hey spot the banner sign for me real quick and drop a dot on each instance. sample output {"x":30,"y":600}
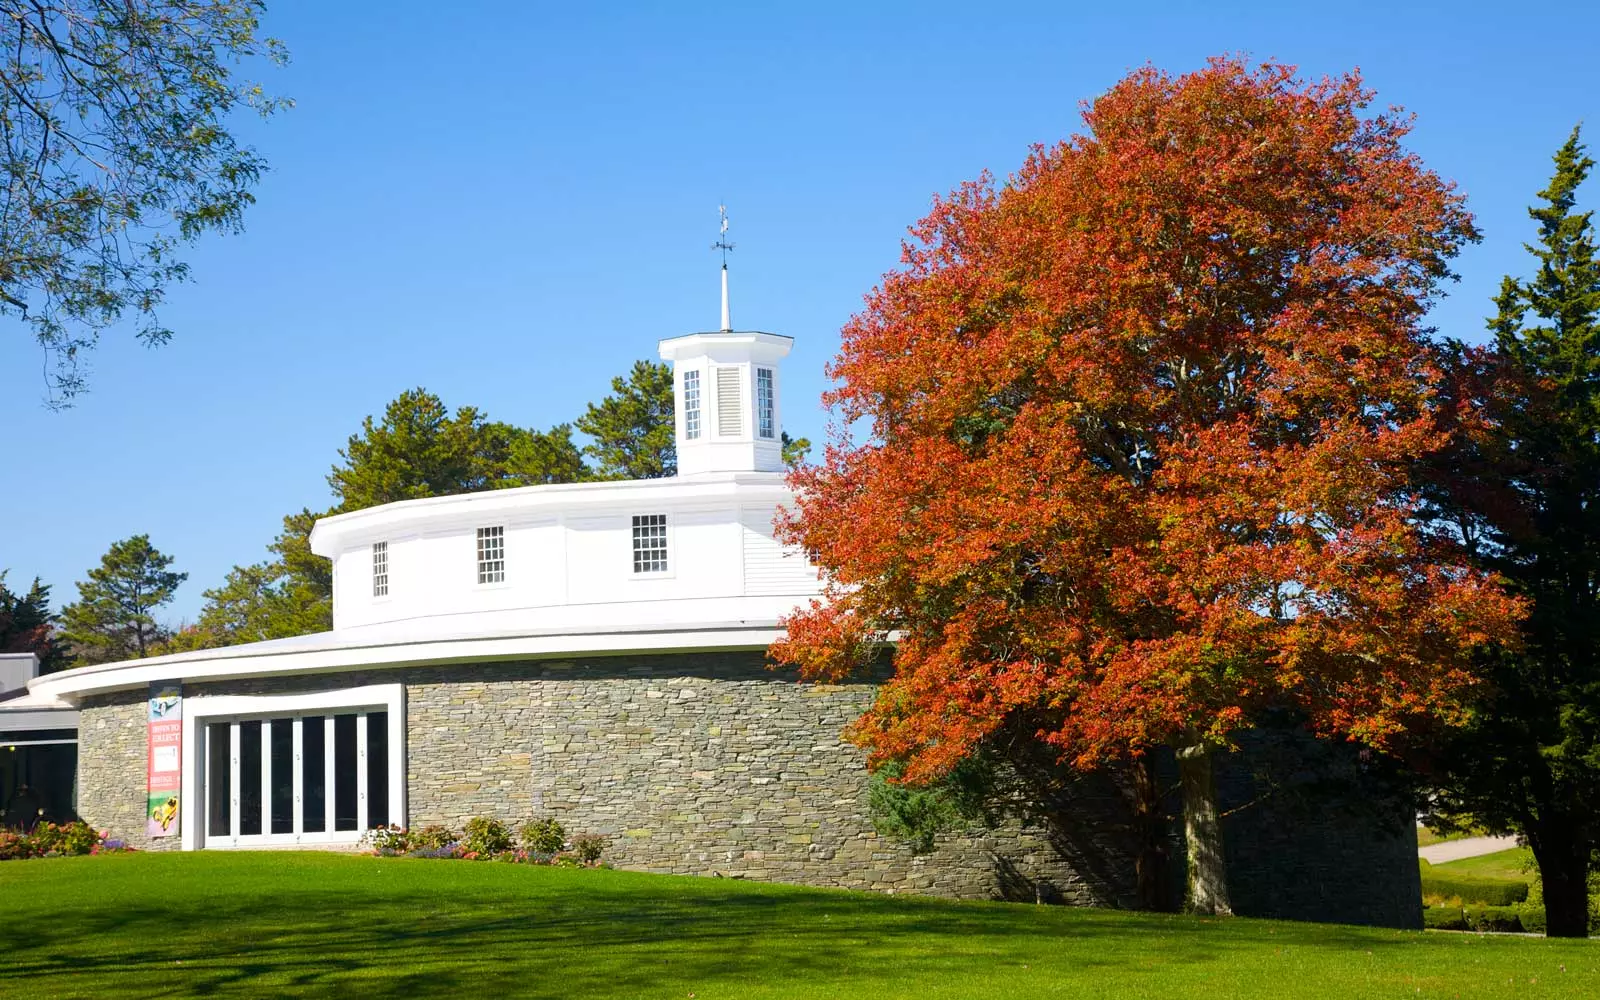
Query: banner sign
{"x":165,"y":771}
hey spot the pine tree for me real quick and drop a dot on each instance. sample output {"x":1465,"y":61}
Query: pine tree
{"x":794,"y":450}
{"x":1528,"y":492}
{"x":28,"y":626}
{"x":113,"y":618}
{"x":632,"y":429}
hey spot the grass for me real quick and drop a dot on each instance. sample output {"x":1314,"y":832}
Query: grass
{"x":268,"y":924}
{"x":1426,"y":836}
{"x":1516,"y":863}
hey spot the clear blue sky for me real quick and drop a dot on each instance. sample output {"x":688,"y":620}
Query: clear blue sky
{"x":509,"y":203}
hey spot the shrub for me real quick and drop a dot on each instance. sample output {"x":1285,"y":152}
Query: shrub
{"x":14,"y":846}
{"x":432,"y":838}
{"x":388,"y":841}
{"x":1444,"y":918}
{"x":64,"y":839}
{"x":1501,"y":919}
{"x":53,"y":840}
{"x":544,"y":836}
{"x":589,"y":847}
{"x":1471,"y":889}
{"x":1532,"y":918}
{"x":486,"y":836}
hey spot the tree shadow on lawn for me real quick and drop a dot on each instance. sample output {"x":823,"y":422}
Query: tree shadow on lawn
{"x":453,"y":927}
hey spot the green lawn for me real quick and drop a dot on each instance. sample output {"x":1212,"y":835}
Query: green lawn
{"x":221,"y":924}
{"x":1427,"y":836}
{"x":1515,"y":863}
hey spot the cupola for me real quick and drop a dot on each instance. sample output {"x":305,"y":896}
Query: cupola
{"x":726,"y":394}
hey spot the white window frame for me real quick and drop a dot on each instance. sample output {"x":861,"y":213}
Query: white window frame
{"x":693,"y":395}
{"x":380,"y":570}
{"x":202,"y":711}
{"x":478,"y":560}
{"x":766,"y":415}
{"x":666,"y":548}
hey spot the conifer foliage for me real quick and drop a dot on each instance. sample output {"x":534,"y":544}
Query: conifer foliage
{"x":114,"y":616}
{"x":28,"y":626}
{"x":1525,"y":491}
{"x":1142,"y":422}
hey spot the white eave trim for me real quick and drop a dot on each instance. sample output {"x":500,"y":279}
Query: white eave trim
{"x":15,"y":720}
{"x":569,"y":499}
{"x":338,"y":653}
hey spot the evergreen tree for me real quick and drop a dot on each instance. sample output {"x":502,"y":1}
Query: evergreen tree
{"x":1526,"y":494}
{"x":113,"y":618}
{"x":795,"y":449}
{"x":418,"y":449}
{"x":632,"y":429}
{"x":28,"y":626}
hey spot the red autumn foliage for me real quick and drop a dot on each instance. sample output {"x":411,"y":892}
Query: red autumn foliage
{"x":1143,"y":422}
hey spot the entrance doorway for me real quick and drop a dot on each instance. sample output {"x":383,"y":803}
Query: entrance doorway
{"x":286,"y":770}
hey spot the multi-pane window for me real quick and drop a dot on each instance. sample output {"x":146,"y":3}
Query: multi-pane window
{"x":492,"y":554}
{"x":765,"y":417}
{"x":380,"y":569}
{"x":649,"y":543}
{"x":691,"y":405}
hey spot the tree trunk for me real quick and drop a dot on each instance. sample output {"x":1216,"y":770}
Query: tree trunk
{"x":1202,"y":829}
{"x":1150,"y":866}
{"x":1564,"y":875}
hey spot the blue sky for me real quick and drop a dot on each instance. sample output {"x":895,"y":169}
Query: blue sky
{"x":509,"y":203}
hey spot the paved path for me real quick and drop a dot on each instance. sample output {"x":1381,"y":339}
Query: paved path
{"x":1470,"y":847}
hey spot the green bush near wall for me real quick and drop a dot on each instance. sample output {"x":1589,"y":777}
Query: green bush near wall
{"x":1472,"y":889}
{"x":1499,"y":919}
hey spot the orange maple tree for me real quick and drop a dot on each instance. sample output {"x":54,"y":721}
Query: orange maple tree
{"x":1143,"y":421}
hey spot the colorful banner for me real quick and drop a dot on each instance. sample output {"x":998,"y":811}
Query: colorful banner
{"x":165,"y":772}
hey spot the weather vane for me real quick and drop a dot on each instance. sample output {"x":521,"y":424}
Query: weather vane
{"x":723,"y":245}
{"x":722,"y":240}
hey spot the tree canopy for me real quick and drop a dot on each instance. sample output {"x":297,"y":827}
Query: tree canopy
{"x":419,"y":448}
{"x":28,"y":626}
{"x":1143,"y":421}
{"x":117,"y":151}
{"x":1524,"y":491}
{"x":114,"y":616}
{"x":631,"y":430}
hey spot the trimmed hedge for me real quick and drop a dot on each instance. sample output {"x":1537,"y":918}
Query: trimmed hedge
{"x":1532,"y":917}
{"x":1471,"y":889}
{"x":1498,"y":919}
{"x":1444,"y":918}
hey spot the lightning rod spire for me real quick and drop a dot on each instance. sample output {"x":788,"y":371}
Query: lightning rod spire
{"x":723,"y":245}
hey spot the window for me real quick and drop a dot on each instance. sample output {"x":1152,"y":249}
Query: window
{"x":649,"y":543}
{"x":691,"y":405}
{"x":380,"y":569}
{"x":729,"y":423}
{"x":765,"y":416}
{"x":297,"y":778}
{"x":316,"y":768}
{"x":492,"y":554}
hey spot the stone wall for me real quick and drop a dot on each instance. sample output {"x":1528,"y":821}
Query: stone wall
{"x":691,"y":764}
{"x":112,"y":759}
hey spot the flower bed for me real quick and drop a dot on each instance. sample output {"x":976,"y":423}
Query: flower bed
{"x":58,"y":840}
{"x":539,"y":842}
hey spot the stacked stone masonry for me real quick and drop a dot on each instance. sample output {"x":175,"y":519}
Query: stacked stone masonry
{"x":693,"y":764}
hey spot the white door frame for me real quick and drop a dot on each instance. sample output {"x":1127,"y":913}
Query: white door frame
{"x":202,"y":710}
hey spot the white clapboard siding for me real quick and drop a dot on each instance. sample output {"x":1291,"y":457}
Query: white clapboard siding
{"x":770,"y":568}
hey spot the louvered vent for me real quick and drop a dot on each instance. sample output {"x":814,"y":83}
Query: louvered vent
{"x":729,"y":423}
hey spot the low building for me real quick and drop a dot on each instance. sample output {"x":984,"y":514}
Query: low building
{"x":38,"y":749}
{"x":593,"y":652}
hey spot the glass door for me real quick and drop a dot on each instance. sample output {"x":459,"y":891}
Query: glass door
{"x":295,"y":779}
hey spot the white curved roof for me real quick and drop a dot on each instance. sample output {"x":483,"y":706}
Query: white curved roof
{"x":571,"y":584}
